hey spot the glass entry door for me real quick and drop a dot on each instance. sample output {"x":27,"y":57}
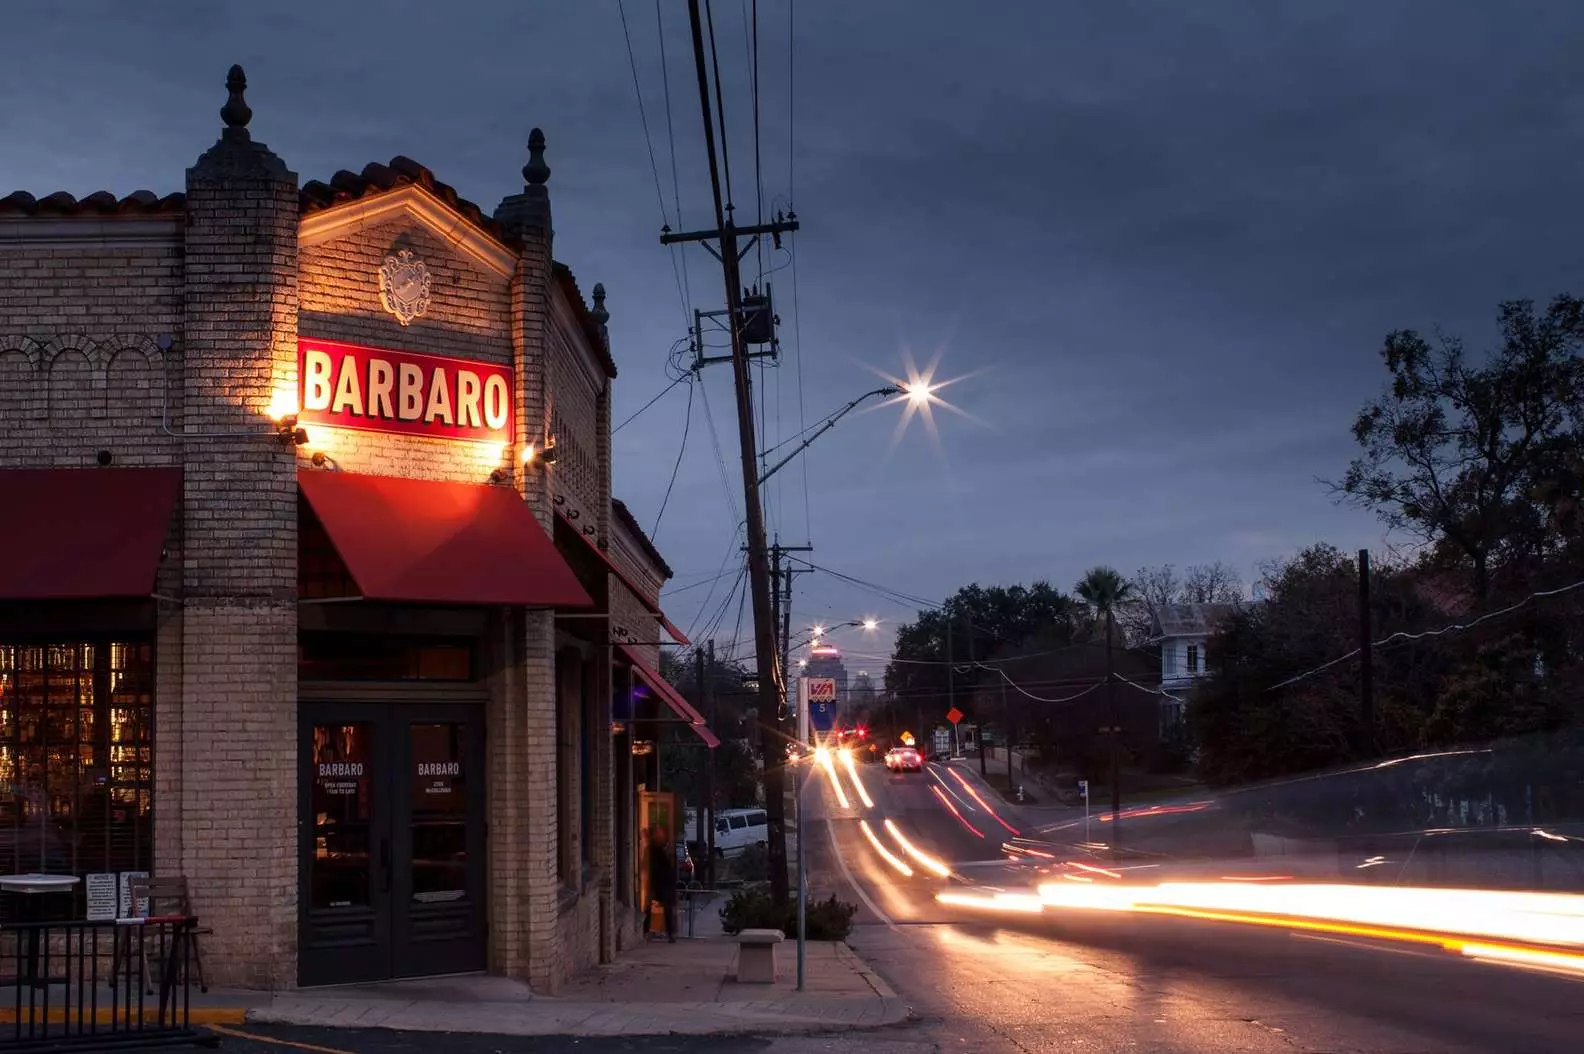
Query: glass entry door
{"x":392,"y":841}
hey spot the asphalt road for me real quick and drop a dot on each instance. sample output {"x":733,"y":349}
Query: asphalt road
{"x":1102,"y":982}
{"x":1094,"y":983}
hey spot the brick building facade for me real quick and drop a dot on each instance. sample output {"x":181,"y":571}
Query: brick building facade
{"x":321,"y":601}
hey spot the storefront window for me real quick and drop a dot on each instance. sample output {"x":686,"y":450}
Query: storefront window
{"x":76,"y":757}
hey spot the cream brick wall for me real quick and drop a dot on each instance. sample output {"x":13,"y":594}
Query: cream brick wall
{"x":80,"y":315}
{"x":577,"y":388}
{"x":469,"y":317}
{"x":239,"y":623}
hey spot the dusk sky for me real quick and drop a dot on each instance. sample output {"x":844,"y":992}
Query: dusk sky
{"x":1160,"y":247}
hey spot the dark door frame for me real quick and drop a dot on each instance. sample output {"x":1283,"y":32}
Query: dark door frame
{"x":395,"y":935}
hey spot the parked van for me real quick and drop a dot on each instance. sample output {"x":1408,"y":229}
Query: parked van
{"x":737,"y":829}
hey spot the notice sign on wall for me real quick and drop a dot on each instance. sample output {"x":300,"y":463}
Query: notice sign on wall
{"x":102,"y":898}
{"x":381,"y":390}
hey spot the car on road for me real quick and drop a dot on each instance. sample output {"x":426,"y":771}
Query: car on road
{"x":904,"y":759}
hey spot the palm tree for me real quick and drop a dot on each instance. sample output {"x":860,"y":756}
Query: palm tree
{"x":1104,"y":590}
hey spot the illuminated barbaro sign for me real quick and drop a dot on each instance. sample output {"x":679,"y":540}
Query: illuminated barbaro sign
{"x":373,"y":389}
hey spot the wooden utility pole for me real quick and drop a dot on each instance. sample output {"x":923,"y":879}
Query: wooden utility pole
{"x":1006,"y":709}
{"x":1116,"y":738}
{"x":1366,"y":658}
{"x":725,"y":235}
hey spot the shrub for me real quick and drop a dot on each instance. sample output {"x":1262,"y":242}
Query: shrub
{"x":752,"y":909}
{"x":752,"y":864}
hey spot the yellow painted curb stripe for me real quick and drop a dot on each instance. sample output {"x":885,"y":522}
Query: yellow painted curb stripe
{"x":237,"y":1033}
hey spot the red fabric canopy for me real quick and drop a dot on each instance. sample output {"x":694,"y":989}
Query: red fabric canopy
{"x":423,"y":542}
{"x":673,"y":698}
{"x":84,"y":533}
{"x":616,"y":569}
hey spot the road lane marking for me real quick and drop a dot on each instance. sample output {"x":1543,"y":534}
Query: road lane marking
{"x":237,"y":1033}
{"x":841,"y":861}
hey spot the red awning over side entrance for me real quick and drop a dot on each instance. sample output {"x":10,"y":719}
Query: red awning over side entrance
{"x":425,"y":542}
{"x":632,"y":587}
{"x":672,"y":698}
{"x":84,"y":533}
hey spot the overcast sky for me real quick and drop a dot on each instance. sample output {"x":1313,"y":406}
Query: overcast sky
{"x":1160,"y":245}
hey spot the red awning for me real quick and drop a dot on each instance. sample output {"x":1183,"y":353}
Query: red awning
{"x":423,"y":542}
{"x":84,"y":533}
{"x":673,"y":698}
{"x":616,"y":569}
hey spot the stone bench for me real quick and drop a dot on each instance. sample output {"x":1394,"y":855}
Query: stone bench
{"x":756,"y":955}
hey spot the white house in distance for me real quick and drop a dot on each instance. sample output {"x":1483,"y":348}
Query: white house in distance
{"x":1182,"y":631}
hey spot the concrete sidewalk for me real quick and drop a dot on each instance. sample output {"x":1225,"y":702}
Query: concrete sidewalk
{"x":686,"y":988}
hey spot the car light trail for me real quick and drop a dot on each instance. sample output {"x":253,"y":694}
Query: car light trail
{"x":948,"y":788}
{"x":1495,"y":926}
{"x":886,"y":854}
{"x":830,"y":770}
{"x":1093,"y":869}
{"x":958,"y":776}
{"x":1506,"y":954}
{"x":852,"y":771}
{"x":921,"y":858}
{"x":1020,"y":902}
{"x":947,"y":802}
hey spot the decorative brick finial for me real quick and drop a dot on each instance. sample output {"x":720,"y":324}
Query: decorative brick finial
{"x":236,"y":113}
{"x":536,"y":172}
{"x":600,"y":314}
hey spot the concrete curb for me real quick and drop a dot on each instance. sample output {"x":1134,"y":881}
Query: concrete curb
{"x":602,"y":1019}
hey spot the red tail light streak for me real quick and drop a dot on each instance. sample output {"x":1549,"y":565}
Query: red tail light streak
{"x":947,"y":802}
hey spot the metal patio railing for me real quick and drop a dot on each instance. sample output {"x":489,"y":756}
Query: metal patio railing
{"x":81,"y":985}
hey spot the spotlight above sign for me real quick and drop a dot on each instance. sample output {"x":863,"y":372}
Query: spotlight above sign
{"x":404,"y":392}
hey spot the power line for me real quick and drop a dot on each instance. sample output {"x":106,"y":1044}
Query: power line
{"x":676,"y":182}
{"x":1405,"y":637}
{"x":643,"y":117}
{"x":657,"y":397}
{"x":1038,"y":698}
{"x":687,"y":426}
{"x":731,"y":550}
{"x":720,"y":457}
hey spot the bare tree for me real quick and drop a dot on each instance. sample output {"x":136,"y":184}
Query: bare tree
{"x":1157,"y":585}
{"x":1152,"y":588}
{"x":1217,"y":583}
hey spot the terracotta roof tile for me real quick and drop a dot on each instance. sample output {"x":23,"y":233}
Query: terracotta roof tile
{"x":625,"y":517}
{"x":401,"y":171}
{"x":591,"y":328}
{"x":99,"y":203}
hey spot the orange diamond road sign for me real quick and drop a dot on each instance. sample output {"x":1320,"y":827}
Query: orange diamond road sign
{"x":954,"y":715}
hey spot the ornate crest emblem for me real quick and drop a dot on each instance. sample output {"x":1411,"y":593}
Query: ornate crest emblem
{"x":404,"y":286}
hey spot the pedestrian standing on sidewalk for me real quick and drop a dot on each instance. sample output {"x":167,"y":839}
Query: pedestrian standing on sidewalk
{"x":662,"y":878}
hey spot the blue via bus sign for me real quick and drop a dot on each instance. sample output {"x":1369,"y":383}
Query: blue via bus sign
{"x":821,"y":702}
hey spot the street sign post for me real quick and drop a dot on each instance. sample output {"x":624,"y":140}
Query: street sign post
{"x":1083,"y":790}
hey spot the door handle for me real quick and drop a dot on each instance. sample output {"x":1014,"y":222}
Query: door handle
{"x":385,"y":864}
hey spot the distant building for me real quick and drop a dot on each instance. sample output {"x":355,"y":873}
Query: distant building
{"x":1183,"y":631}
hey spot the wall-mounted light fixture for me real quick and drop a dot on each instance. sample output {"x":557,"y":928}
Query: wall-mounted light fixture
{"x":544,"y":453}
{"x":319,"y":458}
{"x":289,"y":434}
{"x":499,"y":476}
{"x":104,"y":458}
